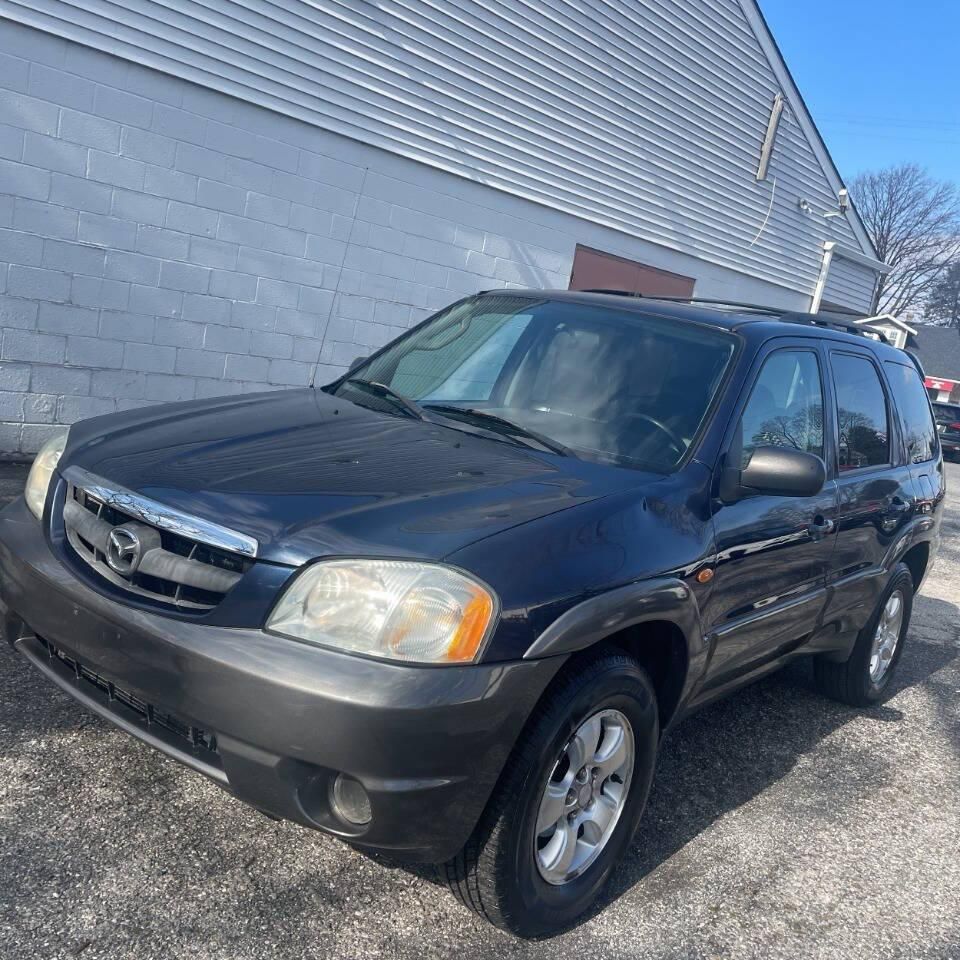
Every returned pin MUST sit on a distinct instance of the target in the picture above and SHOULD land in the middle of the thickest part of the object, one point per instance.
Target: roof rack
(705, 300)
(827, 318)
(833, 323)
(720, 302)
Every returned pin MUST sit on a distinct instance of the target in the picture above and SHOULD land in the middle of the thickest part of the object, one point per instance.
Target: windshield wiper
(490, 421)
(498, 424)
(388, 393)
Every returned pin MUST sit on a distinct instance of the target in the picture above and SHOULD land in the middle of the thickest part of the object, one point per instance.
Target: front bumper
(274, 720)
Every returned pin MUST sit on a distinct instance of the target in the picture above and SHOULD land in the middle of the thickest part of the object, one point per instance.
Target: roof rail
(833, 323)
(760, 307)
(715, 302)
(704, 300)
(720, 302)
(827, 318)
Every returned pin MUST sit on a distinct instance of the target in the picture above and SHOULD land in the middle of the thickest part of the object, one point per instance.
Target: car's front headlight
(41, 473)
(393, 609)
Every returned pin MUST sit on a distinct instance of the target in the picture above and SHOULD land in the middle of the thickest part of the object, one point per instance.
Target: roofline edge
(768, 43)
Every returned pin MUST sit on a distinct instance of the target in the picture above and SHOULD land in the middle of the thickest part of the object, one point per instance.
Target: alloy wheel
(886, 636)
(584, 796)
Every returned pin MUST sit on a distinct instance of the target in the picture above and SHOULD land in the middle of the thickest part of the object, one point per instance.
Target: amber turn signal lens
(466, 641)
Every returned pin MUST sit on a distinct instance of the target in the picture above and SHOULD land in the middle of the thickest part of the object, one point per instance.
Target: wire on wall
(766, 219)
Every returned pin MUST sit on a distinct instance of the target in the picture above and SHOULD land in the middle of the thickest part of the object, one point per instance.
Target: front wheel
(568, 802)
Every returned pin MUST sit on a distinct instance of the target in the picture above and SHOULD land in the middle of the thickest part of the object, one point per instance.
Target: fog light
(350, 800)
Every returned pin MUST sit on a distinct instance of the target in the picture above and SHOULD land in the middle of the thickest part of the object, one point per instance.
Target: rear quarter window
(913, 407)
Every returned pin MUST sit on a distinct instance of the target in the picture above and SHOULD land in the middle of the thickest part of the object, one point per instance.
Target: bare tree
(914, 223)
(943, 304)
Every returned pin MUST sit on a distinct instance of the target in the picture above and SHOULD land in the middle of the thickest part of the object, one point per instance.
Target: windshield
(605, 384)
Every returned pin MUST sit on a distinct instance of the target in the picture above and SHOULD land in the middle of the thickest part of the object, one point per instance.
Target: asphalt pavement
(780, 825)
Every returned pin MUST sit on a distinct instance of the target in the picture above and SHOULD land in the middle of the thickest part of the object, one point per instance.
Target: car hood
(312, 475)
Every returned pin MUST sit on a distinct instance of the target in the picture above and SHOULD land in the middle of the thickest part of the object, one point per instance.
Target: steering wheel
(675, 441)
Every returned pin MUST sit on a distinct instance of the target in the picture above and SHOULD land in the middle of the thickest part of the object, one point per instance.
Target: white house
(209, 197)
(896, 331)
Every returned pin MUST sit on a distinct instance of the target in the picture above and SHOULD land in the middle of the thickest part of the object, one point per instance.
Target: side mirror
(775, 471)
(356, 363)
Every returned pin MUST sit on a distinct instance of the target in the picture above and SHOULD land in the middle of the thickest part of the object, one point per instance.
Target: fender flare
(595, 619)
(920, 530)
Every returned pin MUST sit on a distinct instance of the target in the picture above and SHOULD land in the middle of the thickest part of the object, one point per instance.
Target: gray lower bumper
(427, 743)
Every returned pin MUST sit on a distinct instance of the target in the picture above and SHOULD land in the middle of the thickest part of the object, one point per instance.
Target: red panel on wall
(596, 270)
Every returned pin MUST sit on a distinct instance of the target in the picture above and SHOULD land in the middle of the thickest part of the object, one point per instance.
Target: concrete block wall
(160, 242)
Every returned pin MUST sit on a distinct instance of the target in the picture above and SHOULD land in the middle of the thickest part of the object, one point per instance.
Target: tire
(852, 681)
(499, 873)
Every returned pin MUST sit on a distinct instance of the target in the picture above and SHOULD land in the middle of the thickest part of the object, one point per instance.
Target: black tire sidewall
(871, 691)
(543, 906)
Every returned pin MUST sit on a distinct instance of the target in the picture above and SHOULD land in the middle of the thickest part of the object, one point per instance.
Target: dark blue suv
(446, 606)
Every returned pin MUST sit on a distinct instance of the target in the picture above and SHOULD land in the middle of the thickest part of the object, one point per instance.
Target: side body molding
(662, 598)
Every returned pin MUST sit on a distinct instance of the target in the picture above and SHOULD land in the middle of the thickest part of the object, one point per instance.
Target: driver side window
(786, 405)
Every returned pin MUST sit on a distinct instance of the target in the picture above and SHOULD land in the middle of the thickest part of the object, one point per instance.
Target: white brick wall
(176, 243)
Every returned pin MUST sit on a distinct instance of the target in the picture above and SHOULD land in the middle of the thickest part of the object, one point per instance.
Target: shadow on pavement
(726, 755)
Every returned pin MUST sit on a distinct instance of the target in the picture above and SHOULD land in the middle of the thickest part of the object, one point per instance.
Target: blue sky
(881, 78)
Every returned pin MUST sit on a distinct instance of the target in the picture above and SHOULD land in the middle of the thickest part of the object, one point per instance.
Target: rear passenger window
(910, 395)
(864, 434)
(785, 408)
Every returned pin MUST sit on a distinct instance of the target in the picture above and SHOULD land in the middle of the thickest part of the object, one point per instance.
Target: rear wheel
(863, 678)
(567, 804)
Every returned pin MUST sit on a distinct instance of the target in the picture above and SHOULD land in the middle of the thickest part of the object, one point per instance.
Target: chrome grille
(172, 568)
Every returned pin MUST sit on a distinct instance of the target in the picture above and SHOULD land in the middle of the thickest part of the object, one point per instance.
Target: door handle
(820, 527)
(893, 511)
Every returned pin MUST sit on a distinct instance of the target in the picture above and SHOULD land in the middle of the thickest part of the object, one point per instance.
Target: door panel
(878, 493)
(773, 552)
(872, 512)
(771, 575)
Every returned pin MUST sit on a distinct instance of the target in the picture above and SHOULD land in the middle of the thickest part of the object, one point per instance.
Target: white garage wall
(645, 116)
(187, 244)
(849, 284)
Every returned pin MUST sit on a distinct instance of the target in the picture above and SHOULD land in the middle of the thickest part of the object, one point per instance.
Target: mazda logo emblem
(124, 551)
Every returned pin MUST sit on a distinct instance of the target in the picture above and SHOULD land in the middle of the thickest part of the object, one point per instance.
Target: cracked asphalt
(780, 825)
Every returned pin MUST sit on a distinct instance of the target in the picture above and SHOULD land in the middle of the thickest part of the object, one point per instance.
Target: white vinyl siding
(646, 117)
(849, 284)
